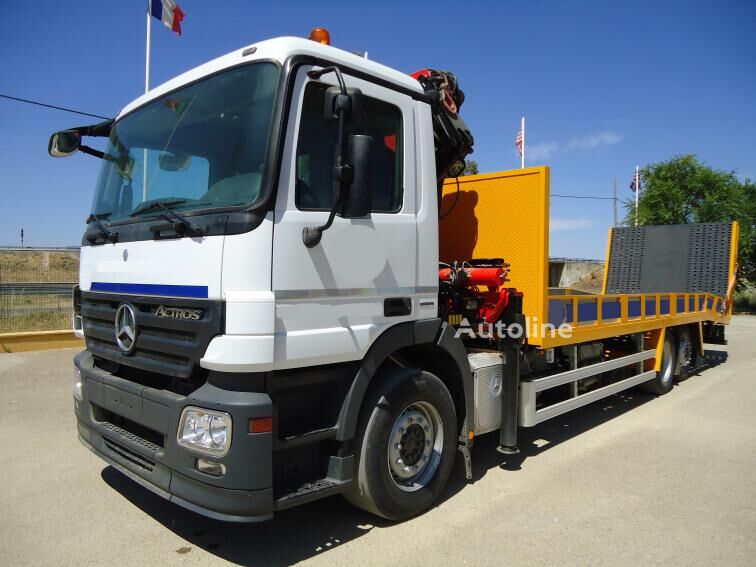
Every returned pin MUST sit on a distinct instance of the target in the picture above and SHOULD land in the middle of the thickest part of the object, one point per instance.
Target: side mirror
(351, 103)
(64, 144)
(358, 198)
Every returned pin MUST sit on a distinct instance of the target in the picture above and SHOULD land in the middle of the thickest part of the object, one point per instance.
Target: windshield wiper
(152, 205)
(179, 223)
(96, 219)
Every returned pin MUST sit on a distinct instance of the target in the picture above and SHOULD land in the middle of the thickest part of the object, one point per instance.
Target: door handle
(397, 306)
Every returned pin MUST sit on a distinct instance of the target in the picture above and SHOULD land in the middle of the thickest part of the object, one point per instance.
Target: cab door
(334, 299)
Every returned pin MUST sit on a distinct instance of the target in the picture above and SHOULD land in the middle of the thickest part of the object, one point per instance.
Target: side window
(316, 144)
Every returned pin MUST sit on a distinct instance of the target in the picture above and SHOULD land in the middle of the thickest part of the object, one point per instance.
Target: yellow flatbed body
(506, 215)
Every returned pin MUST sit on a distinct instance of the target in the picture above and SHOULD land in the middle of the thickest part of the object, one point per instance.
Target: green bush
(745, 301)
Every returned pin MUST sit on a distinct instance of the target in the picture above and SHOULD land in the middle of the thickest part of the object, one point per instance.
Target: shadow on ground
(298, 534)
(712, 358)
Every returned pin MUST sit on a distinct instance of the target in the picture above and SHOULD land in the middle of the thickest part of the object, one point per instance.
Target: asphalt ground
(632, 479)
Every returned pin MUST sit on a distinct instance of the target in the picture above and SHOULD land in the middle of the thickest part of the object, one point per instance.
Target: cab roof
(278, 49)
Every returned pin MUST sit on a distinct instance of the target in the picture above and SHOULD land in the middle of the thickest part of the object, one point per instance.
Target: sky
(604, 85)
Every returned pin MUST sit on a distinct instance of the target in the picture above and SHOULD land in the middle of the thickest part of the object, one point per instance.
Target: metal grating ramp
(708, 266)
(692, 258)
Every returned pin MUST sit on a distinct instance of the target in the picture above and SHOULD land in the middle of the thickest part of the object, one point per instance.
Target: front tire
(666, 374)
(406, 443)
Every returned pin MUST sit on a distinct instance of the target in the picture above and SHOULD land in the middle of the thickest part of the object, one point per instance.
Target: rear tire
(405, 445)
(665, 376)
(686, 354)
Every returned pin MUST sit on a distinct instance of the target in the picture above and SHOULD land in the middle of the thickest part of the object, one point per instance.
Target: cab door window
(317, 141)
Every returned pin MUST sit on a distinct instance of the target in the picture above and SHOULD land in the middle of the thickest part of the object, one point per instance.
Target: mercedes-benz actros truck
(287, 291)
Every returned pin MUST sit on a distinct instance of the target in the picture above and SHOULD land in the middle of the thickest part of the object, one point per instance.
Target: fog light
(209, 467)
(78, 388)
(205, 431)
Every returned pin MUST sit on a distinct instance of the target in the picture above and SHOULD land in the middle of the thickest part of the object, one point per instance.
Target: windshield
(199, 147)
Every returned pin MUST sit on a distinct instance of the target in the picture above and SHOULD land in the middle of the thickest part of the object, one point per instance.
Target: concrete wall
(576, 274)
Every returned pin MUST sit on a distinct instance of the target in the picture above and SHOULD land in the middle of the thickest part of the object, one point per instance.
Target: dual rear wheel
(686, 354)
(677, 361)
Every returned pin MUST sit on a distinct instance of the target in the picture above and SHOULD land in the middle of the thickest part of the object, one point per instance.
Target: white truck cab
(285, 309)
(230, 358)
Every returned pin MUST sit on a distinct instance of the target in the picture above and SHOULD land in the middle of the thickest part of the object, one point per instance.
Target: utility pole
(637, 192)
(615, 202)
(147, 51)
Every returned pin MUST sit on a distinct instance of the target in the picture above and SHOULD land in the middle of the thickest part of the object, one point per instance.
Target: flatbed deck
(506, 215)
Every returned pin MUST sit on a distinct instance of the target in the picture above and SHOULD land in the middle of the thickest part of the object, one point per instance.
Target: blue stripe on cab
(196, 291)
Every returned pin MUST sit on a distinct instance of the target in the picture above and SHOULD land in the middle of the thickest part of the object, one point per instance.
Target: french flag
(168, 12)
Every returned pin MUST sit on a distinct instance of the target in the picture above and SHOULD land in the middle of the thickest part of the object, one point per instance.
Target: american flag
(635, 185)
(518, 142)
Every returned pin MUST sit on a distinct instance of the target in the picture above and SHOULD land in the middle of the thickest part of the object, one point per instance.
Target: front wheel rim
(415, 446)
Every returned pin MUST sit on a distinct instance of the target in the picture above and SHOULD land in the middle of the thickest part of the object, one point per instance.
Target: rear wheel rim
(415, 446)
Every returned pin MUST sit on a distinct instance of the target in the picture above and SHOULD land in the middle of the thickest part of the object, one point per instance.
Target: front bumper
(133, 428)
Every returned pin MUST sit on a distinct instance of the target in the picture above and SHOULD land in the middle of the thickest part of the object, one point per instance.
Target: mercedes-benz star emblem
(125, 327)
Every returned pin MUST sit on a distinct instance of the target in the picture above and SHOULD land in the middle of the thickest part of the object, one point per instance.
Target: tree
(684, 190)
(471, 167)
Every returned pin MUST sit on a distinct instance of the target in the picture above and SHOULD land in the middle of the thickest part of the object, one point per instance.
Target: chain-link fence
(35, 289)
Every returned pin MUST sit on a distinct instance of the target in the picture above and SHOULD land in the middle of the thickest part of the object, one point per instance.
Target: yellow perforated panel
(502, 215)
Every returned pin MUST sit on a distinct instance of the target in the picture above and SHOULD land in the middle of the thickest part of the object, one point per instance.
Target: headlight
(205, 431)
(78, 388)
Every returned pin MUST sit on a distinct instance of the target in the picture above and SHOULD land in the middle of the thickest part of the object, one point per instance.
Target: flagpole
(522, 156)
(637, 192)
(147, 51)
(146, 90)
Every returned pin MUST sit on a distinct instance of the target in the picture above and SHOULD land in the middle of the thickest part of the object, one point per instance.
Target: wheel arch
(429, 345)
(439, 362)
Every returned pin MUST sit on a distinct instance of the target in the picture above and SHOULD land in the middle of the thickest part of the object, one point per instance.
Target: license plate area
(123, 403)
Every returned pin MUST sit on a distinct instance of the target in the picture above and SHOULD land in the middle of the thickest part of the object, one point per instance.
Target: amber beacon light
(320, 35)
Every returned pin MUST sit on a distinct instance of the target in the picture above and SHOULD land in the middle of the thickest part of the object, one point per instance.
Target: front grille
(145, 437)
(165, 346)
(129, 455)
(170, 335)
(131, 437)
